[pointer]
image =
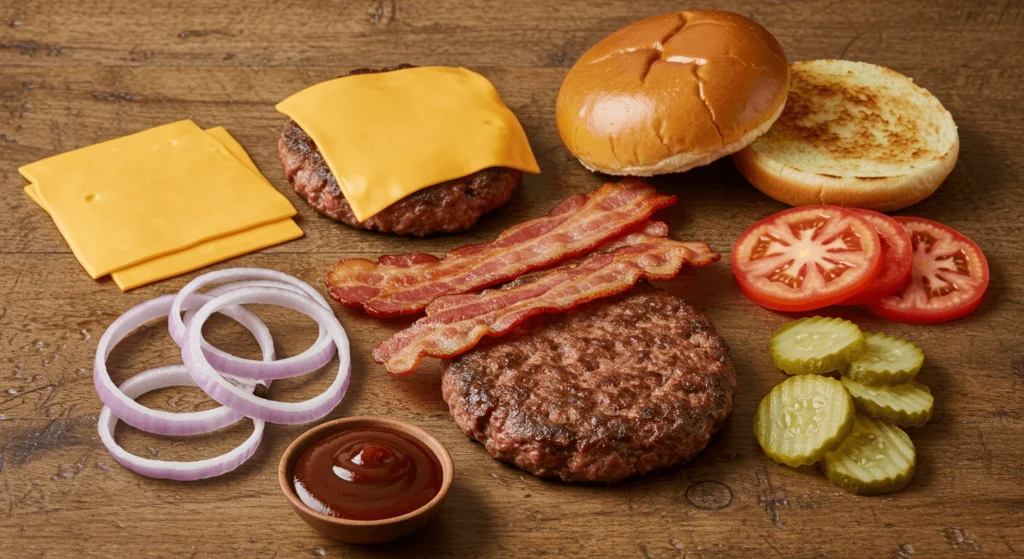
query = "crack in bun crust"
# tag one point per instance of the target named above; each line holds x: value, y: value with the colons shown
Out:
x: 672, y: 92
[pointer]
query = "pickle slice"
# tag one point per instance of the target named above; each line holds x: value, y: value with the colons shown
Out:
x: 906, y: 405
x: 875, y: 458
x: 888, y: 361
x: 816, y: 345
x: 803, y: 418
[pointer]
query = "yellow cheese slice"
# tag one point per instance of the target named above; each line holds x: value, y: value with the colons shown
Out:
x: 236, y: 150
x: 207, y: 252
x: 125, y: 201
x: 389, y: 134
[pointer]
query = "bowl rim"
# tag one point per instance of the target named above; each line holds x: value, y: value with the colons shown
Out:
x: 327, y: 428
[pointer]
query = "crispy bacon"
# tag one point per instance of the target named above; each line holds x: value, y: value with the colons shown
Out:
x: 456, y: 323
x: 405, y: 284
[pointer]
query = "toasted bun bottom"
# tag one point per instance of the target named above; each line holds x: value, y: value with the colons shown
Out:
x: 792, y: 186
x: 685, y: 161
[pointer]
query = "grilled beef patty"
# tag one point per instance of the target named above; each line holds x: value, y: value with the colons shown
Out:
x: 615, y: 388
x: 448, y: 207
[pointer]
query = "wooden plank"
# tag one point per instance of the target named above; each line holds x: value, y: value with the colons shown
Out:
x: 94, y: 70
x: 380, y: 33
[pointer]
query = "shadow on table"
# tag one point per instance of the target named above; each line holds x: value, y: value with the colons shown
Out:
x: 462, y: 528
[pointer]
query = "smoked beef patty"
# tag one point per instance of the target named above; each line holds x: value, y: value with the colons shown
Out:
x: 615, y: 388
x: 448, y: 207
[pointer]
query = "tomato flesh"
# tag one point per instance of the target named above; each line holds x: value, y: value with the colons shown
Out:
x: 948, y: 278
x: 806, y: 258
x: 897, y: 259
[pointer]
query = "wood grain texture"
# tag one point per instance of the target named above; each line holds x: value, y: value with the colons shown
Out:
x: 74, y: 73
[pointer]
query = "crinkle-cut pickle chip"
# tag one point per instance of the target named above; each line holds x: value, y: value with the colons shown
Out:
x: 876, y: 458
x: 803, y: 418
x: 906, y: 405
x: 888, y: 361
x: 816, y: 345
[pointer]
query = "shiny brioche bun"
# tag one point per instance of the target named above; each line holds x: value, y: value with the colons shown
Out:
x: 672, y: 92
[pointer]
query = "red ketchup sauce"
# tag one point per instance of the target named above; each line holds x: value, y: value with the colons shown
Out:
x: 367, y: 474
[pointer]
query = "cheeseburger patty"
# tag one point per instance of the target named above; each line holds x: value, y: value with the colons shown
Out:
x: 448, y: 207
x: 615, y: 388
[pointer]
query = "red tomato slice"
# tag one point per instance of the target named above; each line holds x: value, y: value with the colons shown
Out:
x: 949, y: 277
x: 806, y: 258
x: 897, y: 258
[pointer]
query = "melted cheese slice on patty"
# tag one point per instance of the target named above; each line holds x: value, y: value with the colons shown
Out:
x: 389, y: 134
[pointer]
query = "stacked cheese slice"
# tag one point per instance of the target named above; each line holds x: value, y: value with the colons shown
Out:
x: 160, y: 203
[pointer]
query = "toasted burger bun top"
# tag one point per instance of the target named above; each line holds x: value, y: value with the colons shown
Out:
x: 672, y: 92
x: 853, y: 134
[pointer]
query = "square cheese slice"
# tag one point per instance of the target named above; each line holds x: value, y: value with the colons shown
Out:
x: 387, y: 135
x: 207, y: 252
x: 129, y: 200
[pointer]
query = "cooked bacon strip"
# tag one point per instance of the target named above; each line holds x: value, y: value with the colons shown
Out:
x: 456, y: 323
x: 405, y: 284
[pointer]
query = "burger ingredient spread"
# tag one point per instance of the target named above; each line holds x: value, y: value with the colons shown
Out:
x: 442, y: 123
x: 367, y: 474
x: 125, y: 202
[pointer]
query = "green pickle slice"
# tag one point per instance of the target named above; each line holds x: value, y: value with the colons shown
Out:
x: 888, y: 361
x: 876, y: 458
x: 906, y: 405
x: 816, y: 345
x: 803, y: 418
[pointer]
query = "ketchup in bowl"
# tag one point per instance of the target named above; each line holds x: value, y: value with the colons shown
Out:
x: 369, y: 473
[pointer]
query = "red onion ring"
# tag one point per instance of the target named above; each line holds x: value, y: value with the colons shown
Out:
x: 318, y: 355
x: 218, y: 388
x: 164, y: 377
x: 157, y: 421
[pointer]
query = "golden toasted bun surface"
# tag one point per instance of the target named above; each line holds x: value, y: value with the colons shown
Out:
x: 853, y: 134
x: 671, y: 92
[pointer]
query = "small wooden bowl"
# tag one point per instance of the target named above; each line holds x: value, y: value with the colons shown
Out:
x: 365, y: 531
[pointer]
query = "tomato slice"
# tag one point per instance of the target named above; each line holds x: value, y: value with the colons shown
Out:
x: 897, y: 258
x: 806, y: 258
x: 948, y: 280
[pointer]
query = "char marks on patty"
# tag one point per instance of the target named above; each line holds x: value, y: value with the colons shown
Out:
x: 615, y: 388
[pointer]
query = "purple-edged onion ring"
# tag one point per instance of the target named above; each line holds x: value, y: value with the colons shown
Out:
x: 236, y: 398
x: 163, y: 377
x: 156, y: 421
x: 318, y: 355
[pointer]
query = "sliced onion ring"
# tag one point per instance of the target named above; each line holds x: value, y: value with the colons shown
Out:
x: 164, y: 377
x: 220, y: 389
x: 156, y: 421
x: 318, y: 355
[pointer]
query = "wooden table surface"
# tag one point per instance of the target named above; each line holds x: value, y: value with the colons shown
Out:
x: 75, y: 73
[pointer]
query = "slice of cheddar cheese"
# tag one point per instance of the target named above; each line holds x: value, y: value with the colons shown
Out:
x: 207, y: 252
x: 157, y: 192
x: 389, y: 134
